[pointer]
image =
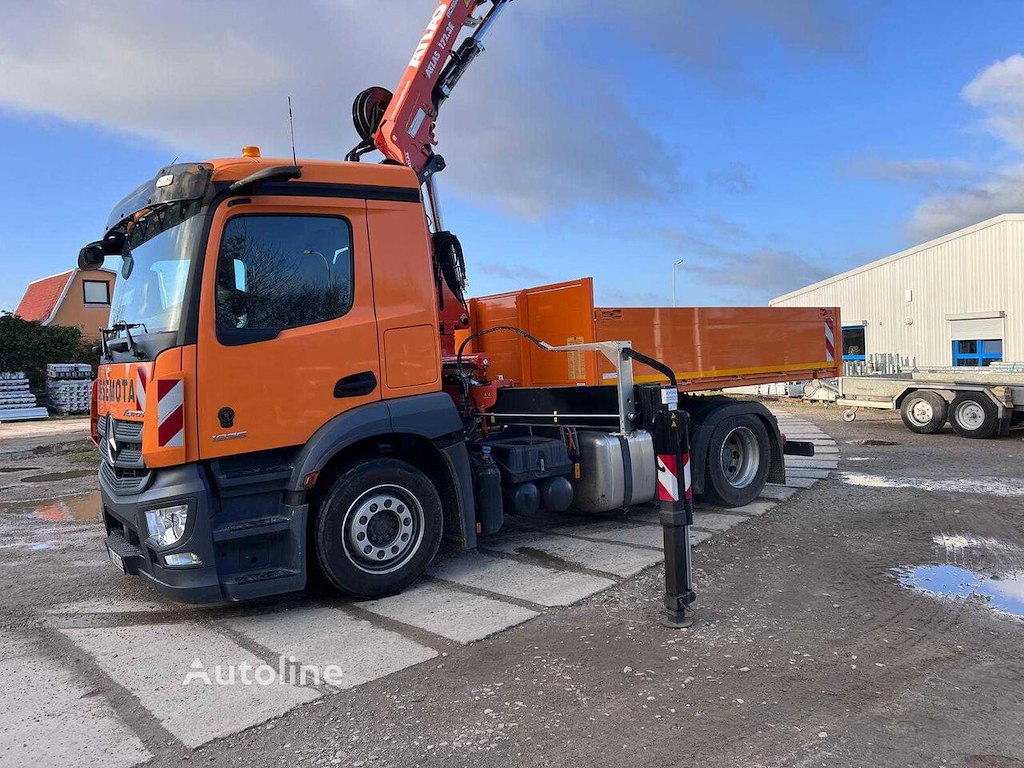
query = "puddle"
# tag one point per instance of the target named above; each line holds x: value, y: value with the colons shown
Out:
x: 1003, y: 594
x: 872, y: 442
x: 36, y: 546
x: 83, y: 506
x: 51, y: 476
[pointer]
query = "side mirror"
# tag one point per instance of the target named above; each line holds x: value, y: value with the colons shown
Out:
x: 91, y: 257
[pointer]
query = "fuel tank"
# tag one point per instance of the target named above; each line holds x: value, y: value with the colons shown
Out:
x: 615, y: 471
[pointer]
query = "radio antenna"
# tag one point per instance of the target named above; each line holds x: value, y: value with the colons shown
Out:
x: 291, y: 125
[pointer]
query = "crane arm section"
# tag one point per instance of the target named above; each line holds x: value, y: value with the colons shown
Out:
x: 406, y: 131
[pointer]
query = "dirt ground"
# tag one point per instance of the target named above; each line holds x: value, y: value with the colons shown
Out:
x: 806, y: 651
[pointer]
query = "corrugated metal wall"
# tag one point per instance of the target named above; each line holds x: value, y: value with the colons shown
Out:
x: 976, y: 270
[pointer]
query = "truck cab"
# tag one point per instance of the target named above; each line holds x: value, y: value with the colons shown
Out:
x: 272, y: 321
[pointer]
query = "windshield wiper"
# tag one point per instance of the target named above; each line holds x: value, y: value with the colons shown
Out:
x: 125, y: 326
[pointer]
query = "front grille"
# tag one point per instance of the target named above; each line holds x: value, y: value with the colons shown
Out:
x: 128, y: 431
x: 125, y: 481
x: 123, y: 467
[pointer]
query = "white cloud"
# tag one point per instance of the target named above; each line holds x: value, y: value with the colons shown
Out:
x: 206, y: 78
x: 532, y: 129
x: 951, y: 210
x: 916, y: 170
x: 999, y: 90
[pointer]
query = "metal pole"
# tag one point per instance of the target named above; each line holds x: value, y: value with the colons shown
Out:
x: 435, y: 204
x: 675, y: 499
x: 674, y: 265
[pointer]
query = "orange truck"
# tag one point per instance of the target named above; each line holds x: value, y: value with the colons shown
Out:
x: 293, y: 382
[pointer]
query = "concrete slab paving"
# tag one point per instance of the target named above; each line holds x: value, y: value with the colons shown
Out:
x: 620, y: 533
x: 800, y: 482
x: 717, y: 521
x: 322, y: 636
x: 48, y: 718
x: 755, y: 508
x: 813, y: 464
x: 448, y: 612
x: 819, y: 474
x: 598, y: 556
x: 153, y: 662
x: 777, y: 492
x: 524, y: 581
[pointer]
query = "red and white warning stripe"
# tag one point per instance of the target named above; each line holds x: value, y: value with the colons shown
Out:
x: 668, y: 478
x: 141, y: 377
x: 170, y: 408
x: 830, y: 340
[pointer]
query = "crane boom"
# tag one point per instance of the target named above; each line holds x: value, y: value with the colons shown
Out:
x: 402, y: 125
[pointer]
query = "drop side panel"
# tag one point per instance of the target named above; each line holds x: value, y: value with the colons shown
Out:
x: 716, y: 347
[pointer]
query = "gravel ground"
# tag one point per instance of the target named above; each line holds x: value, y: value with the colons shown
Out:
x: 807, y: 650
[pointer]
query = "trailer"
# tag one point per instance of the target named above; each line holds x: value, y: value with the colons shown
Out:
x: 977, y: 403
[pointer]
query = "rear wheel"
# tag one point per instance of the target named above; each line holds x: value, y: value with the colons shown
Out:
x: 924, y: 412
x: 973, y: 414
x: 738, y: 459
x: 377, y: 528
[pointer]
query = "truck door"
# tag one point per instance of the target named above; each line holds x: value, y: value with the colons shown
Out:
x: 287, y: 333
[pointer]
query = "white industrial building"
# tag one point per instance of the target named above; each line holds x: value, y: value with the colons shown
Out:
x: 954, y: 301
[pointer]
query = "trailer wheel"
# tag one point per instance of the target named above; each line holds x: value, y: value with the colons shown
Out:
x: 973, y: 414
x: 738, y: 459
x: 924, y: 412
x: 377, y: 528
x: 850, y: 414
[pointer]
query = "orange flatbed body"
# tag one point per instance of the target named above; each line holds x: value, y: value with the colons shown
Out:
x: 708, y: 348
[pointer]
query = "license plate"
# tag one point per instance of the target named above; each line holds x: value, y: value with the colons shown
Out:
x: 116, y: 559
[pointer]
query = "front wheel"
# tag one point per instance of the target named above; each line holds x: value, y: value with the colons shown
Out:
x: 377, y: 528
x: 738, y: 459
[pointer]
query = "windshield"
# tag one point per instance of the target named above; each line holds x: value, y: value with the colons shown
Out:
x: 153, y: 293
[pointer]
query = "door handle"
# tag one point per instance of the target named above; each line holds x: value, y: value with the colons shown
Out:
x: 356, y: 385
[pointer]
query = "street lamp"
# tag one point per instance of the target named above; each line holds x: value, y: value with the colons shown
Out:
x: 674, y: 265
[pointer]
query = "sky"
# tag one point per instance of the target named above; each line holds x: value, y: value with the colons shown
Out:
x: 766, y: 145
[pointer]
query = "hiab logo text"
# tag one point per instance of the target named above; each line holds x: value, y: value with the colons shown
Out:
x: 287, y: 672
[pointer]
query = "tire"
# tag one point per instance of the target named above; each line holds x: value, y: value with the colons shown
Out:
x: 974, y: 415
x: 737, y: 462
x: 924, y: 412
x: 850, y: 415
x: 377, y: 528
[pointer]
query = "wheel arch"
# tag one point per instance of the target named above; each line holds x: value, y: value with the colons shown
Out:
x: 707, y: 413
x: 423, y: 430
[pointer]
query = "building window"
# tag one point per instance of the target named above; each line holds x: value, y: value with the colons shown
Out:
x: 279, y: 271
x: 853, y: 342
x: 977, y: 353
x: 96, y: 292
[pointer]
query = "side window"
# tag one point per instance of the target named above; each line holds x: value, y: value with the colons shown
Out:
x: 279, y: 271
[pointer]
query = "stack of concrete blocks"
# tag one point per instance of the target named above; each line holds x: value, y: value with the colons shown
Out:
x: 17, y: 403
x: 68, y: 387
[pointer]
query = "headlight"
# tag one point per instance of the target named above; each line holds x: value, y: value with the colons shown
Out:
x: 167, y: 525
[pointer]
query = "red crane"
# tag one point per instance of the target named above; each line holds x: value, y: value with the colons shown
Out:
x: 401, y: 125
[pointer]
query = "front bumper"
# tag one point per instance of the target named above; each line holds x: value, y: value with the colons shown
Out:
x: 124, y: 519
x: 251, y: 543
